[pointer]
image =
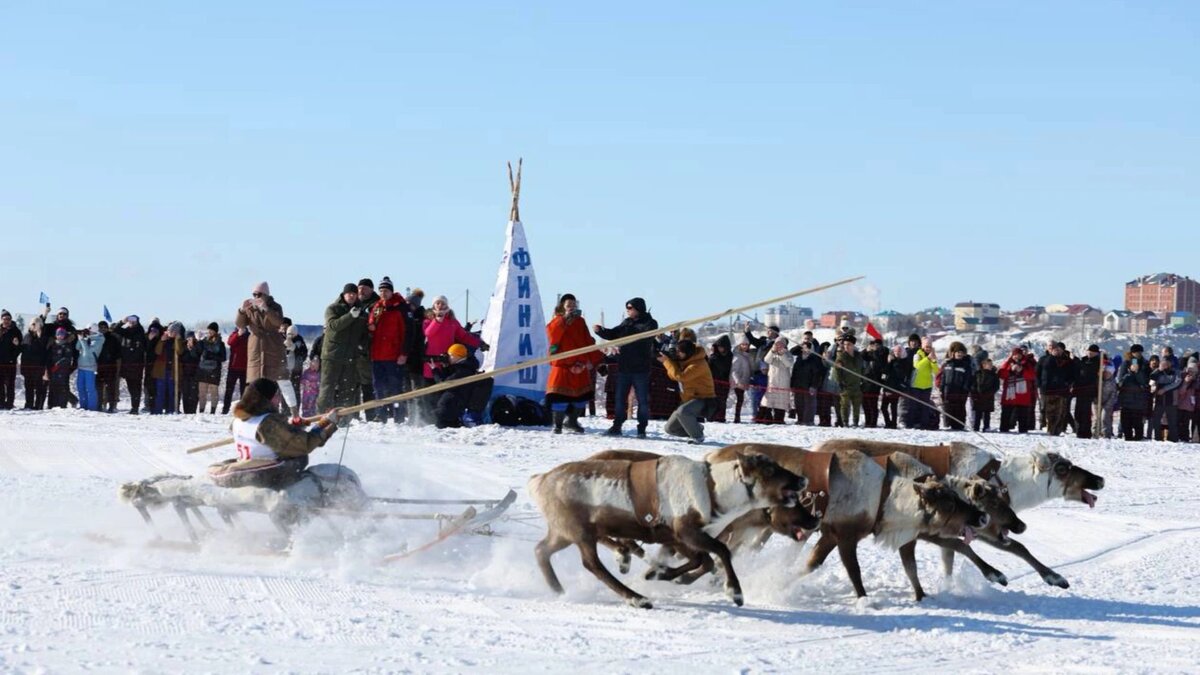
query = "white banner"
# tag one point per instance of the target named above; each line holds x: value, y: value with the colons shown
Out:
x: 514, y: 325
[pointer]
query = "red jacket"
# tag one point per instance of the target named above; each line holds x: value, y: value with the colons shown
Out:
x: 237, y: 351
x: 1017, y: 383
x: 386, y: 323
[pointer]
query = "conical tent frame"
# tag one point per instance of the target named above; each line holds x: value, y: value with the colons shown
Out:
x: 514, y: 184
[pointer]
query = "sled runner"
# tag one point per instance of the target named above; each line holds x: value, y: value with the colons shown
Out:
x: 323, y: 490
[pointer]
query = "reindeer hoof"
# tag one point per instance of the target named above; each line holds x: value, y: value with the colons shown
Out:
x: 737, y: 598
x: 623, y: 566
x: 1056, y: 579
x: 651, y: 574
x: 996, y: 577
x: 640, y: 603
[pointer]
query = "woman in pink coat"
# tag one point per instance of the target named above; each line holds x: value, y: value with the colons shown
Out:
x: 443, y: 330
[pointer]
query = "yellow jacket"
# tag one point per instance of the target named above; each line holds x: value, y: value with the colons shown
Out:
x: 693, y: 374
x: 924, y: 370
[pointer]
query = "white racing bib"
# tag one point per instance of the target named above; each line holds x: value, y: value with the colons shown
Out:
x: 245, y: 435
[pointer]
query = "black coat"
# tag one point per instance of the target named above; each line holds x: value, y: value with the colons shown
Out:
x: 1134, y: 388
x: 133, y: 344
x: 1087, y: 372
x: 956, y: 377
x: 983, y: 390
x: 1056, y: 375
x: 875, y: 364
x: 414, y: 338
x: 299, y: 354
x: 897, y: 373
x: 10, y: 345
x: 212, y: 355
x: 808, y: 372
x: 1166, y: 385
x: 35, y: 351
x: 60, y: 359
x: 721, y: 364
x: 110, y: 352
x: 634, y: 357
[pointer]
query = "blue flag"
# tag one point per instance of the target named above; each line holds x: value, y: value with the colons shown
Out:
x: 43, y: 298
x: 107, y: 316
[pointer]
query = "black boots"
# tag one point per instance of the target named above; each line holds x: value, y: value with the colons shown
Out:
x: 573, y: 420
x: 558, y: 421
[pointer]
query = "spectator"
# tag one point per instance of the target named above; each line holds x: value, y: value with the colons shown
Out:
x: 442, y: 329
x: 1185, y: 401
x: 739, y: 375
x: 10, y: 349
x: 1168, y: 353
x: 827, y: 393
x: 1057, y: 374
x: 808, y: 375
x: 154, y: 333
x: 956, y: 386
x: 911, y: 412
x: 1087, y: 380
x: 778, y: 398
x: 1108, y: 400
x: 108, y: 364
x: 236, y: 373
x: 189, y: 367
x: 895, y: 378
x: 58, y: 372
x: 1018, y: 379
x: 388, y: 324
x: 133, y: 358
x: 367, y: 298
x: 34, y: 355
x: 264, y: 350
x: 457, y: 363
x: 848, y: 374
x: 687, y: 367
x: 1041, y: 391
x: 310, y: 384
x: 1151, y: 432
x: 1133, y: 383
x: 633, y: 364
x: 345, y: 322
x: 415, y: 334
x: 88, y: 346
x: 1164, y: 383
x: 167, y: 350
x: 925, y: 369
x: 62, y: 319
x: 212, y: 355
x: 764, y: 344
x: 569, y: 386
x: 983, y: 395
x: 721, y: 364
x: 875, y: 360
x: 297, y: 353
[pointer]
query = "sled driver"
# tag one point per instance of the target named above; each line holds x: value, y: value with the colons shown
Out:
x: 272, y: 450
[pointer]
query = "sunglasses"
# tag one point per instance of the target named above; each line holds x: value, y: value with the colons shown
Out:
x: 257, y: 295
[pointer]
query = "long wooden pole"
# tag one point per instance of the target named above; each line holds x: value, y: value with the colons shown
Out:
x: 443, y: 386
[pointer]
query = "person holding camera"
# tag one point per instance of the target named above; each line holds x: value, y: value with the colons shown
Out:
x: 569, y: 386
x: 925, y: 370
x: 1133, y: 387
x: 88, y: 346
x: 264, y: 350
x: 1164, y: 383
x: 689, y: 367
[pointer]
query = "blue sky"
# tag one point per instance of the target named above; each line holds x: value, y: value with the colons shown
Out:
x: 161, y: 158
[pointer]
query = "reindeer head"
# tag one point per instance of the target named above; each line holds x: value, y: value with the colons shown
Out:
x: 991, y: 500
x: 796, y: 522
x: 1061, y: 476
x: 767, y: 480
x: 945, y: 513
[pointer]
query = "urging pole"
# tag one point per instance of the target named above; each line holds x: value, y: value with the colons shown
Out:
x: 443, y: 386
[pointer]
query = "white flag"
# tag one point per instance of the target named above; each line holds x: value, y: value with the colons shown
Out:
x: 514, y: 326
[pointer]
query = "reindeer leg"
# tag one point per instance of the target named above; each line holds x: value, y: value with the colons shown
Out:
x: 621, y: 548
x: 706, y: 567
x: 547, y: 547
x: 909, y: 559
x: 821, y: 551
x: 948, y: 562
x: 699, y: 540
x: 848, y: 550
x: 695, y: 561
x: 1018, y: 549
x: 591, y: 561
x: 952, y: 546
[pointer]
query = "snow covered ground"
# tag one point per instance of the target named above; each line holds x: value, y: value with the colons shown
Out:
x: 69, y: 602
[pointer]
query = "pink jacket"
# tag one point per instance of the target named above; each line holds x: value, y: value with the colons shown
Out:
x: 439, y: 335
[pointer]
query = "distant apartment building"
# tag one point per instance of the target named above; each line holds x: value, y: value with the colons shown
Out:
x: 1117, y: 320
x: 834, y: 319
x: 1144, y: 322
x: 976, y: 317
x: 1163, y: 294
x: 891, y: 321
x: 787, y: 316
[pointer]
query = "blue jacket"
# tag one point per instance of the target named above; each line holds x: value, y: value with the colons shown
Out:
x: 89, y: 349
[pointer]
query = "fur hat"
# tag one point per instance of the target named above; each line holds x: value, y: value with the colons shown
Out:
x: 386, y: 283
x: 266, y: 387
x: 350, y: 288
x: 417, y: 293
x: 214, y: 326
x: 457, y: 351
x: 263, y: 288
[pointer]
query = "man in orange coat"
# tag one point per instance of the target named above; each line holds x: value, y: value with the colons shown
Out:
x: 569, y: 386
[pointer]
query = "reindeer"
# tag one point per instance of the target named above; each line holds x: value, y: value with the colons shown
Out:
x: 861, y: 497
x: 1027, y: 481
x: 670, y: 500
